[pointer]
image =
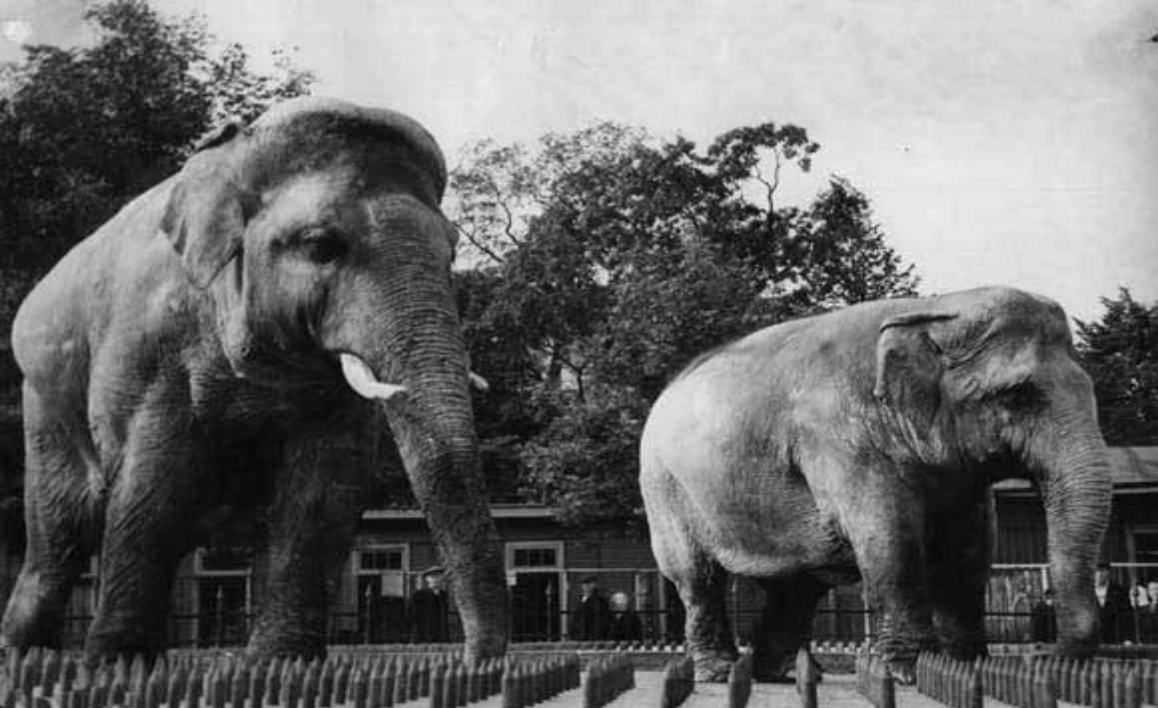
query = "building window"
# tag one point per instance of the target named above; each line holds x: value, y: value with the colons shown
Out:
x: 535, y: 576
x: 380, y: 583
x: 374, y: 560
x: 1146, y: 547
x: 533, y: 557
x: 223, y: 595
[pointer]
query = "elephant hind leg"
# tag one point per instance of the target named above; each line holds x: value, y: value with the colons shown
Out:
x: 56, y: 510
x: 701, y: 581
x: 786, y: 624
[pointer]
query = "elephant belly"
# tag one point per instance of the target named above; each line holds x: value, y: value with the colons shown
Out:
x: 787, y: 538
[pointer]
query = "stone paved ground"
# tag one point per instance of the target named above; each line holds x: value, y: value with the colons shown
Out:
x: 836, y: 691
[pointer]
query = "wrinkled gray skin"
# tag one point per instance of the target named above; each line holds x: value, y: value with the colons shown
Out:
x: 862, y: 444
x: 186, y: 357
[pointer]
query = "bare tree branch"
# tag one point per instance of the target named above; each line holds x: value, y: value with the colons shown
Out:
x: 509, y: 227
x: 770, y: 187
x: 477, y: 243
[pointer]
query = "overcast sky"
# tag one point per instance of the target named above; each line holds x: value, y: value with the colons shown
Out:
x: 1001, y: 141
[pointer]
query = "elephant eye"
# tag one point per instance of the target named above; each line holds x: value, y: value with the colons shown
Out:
x: 323, y: 247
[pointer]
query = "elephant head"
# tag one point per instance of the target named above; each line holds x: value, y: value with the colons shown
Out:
x: 988, y: 379
x: 317, y: 236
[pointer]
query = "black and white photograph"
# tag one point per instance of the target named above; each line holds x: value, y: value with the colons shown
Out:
x: 608, y: 353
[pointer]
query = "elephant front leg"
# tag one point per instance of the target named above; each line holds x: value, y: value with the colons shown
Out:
x: 959, y: 568
x: 887, y: 532
x: 152, y: 507
x: 317, y: 502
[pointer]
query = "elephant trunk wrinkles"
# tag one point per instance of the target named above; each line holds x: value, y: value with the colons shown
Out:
x: 433, y: 426
x: 1075, y: 485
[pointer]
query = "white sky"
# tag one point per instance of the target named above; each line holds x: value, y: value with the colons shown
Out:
x: 1001, y: 141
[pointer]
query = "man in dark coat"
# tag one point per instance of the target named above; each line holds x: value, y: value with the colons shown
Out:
x: 625, y: 623
x: 1043, y: 619
x: 1114, y: 607
x: 591, y: 619
x: 430, y: 610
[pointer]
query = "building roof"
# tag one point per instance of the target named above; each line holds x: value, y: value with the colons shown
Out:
x: 1133, y: 470
x: 498, y: 511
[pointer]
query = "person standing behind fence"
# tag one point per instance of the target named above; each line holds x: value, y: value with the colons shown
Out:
x: 1043, y: 619
x: 1148, y: 616
x: 1114, y: 604
x: 430, y: 610
x: 591, y: 619
x: 625, y: 623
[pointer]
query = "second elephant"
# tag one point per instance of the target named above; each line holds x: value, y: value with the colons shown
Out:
x: 862, y: 444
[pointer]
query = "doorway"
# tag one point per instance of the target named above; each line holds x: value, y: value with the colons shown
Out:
x: 535, y: 576
x: 381, y: 586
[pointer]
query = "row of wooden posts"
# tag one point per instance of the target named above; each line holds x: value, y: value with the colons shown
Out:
x: 607, y: 677
x: 679, y: 680
x: 1039, y: 681
x: 874, y: 681
x: 807, y: 679
x: 740, y: 682
x: 41, y: 678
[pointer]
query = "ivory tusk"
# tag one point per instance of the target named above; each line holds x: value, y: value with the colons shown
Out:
x: 479, y: 382
x: 363, y: 381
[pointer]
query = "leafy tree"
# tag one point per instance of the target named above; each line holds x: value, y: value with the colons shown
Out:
x: 85, y: 129
x: 842, y: 254
x: 1120, y: 352
x: 614, y: 258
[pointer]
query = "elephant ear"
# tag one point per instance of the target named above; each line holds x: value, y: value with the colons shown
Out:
x: 203, y: 219
x: 909, y: 367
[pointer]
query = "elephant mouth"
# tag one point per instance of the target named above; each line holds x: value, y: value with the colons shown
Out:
x: 360, y: 377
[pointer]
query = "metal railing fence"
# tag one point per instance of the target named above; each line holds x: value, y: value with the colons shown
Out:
x: 214, y: 611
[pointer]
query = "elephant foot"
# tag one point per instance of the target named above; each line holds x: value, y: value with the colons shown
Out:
x: 767, y: 676
x: 904, y: 671
x: 713, y: 669
x: 1075, y: 649
x: 783, y: 671
x: 266, y: 643
x: 965, y: 650
x: 479, y: 650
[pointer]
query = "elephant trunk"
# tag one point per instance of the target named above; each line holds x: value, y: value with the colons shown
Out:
x: 428, y: 410
x: 1075, y: 484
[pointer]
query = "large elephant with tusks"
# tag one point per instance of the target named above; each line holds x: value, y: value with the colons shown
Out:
x: 272, y: 325
x: 862, y: 444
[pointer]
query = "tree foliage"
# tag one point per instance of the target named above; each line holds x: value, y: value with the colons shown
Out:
x: 604, y: 260
x: 85, y: 129
x: 1120, y: 352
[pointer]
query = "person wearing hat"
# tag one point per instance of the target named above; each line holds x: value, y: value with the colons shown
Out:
x: 591, y: 619
x: 430, y: 609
